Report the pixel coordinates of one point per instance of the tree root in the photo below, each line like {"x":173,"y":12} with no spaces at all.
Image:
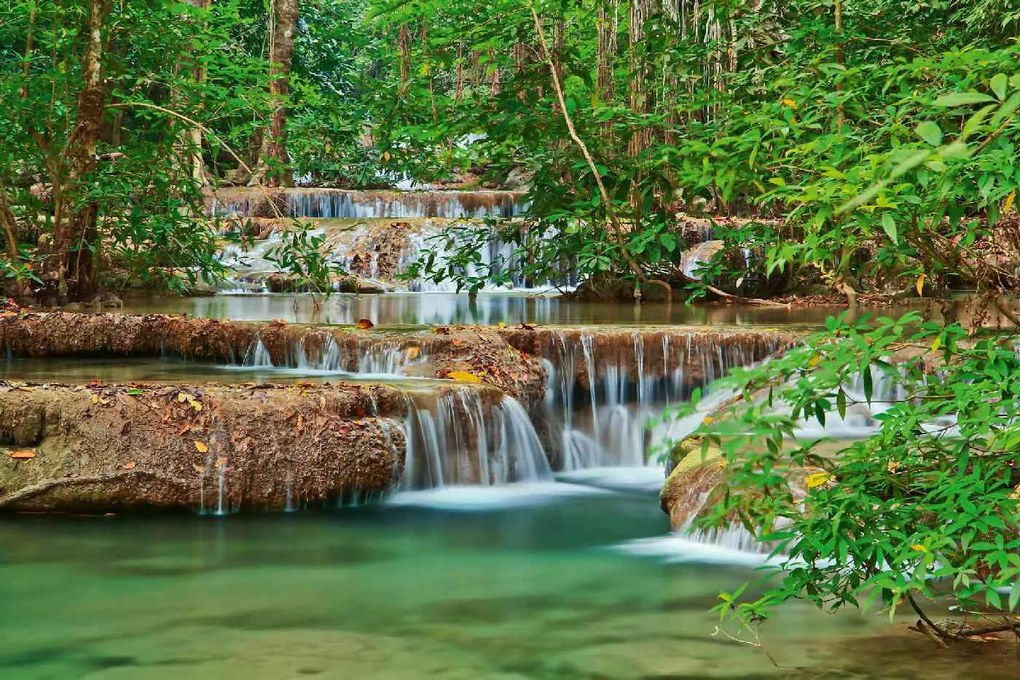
{"x":940,"y":635}
{"x":47,"y":485}
{"x":730,"y":297}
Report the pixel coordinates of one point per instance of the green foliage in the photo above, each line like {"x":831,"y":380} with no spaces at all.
{"x":150,"y":211}
{"x":928,"y":505}
{"x":771,"y":113}
{"x":301,"y":253}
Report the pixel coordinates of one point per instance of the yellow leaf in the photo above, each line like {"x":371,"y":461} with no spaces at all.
{"x":708,"y":420}
{"x":1008,"y":204}
{"x":789,"y":102}
{"x":463,"y":376}
{"x":23,"y":454}
{"x":919,"y":548}
{"x":920,"y":284}
{"x":201,"y":446}
{"x":183,"y":397}
{"x":413,"y":352}
{"x":816,"y":479}
{"x":195,"y":404}
{"x":938,"y":343}
{"x":95,"y":398}
{"x":814,"y":361}
{"x":501,"y":324}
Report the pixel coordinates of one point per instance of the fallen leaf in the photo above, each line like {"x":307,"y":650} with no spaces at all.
{"x":920,"y":285}
{"x":201,"y":446}
{"x":23,"y":454}
{"x":183,"y":397}
{"x":95,"y":398}
{"x":413,"y":352}
{"x":364,"y":325}
{"x":463,"y":376}
{"x":130,"y":466}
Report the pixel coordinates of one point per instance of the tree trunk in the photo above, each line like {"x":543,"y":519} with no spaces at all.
{"x":274,"y":164}
{"x":194,"y":141}
{"x":76,"y":274}
{"x":607,"y":26}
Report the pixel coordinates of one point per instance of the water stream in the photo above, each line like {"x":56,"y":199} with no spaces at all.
{"x":480,"y":585}
{"x":524,"y":540}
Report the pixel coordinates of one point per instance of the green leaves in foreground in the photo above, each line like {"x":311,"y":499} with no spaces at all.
{"x":929,"y":504}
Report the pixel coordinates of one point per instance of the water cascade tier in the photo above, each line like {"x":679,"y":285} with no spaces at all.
{"x":430,"y":408}
{"x":345,"y":203}
{"x":604,"y":385}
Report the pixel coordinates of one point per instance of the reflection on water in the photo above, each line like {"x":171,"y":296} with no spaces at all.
{"x":73,"y":370}
{"x":529,"y":591}
{"x":488,"y":308}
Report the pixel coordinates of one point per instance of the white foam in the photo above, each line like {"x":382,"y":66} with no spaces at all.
{"x":645,"y":478}
{"x":677,"y":549}
{"x":483,"y":498}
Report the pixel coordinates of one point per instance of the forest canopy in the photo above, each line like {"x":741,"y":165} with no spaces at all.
{"x":852,"y":146}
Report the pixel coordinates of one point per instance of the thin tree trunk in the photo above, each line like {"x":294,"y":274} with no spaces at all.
{"x":404,"y":48}
{"x":274,"y":164}
{"x":76,"y":276}
{"x":606,"y":60}
{"x":198,"y":173}
{"x":838,"y":21}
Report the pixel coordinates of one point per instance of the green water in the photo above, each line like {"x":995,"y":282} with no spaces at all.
{"x":532,"y":591}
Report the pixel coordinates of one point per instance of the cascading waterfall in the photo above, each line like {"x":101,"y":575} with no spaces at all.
{"x":497,"y":261}
{"x":325,"y":355}
{"x":604,"y":407}
{"x":455,"y":438}
{"x":344,"y":203}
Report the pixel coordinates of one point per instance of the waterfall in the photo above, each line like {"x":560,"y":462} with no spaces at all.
{"x":500,"y":263}
{"x":605,"y":386}
{"x":455,"y":438}
{"x":257,"y":355}
{"x":321,"y":353}
{"x":344,"y":203}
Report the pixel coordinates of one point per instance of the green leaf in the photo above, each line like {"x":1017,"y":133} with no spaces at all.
{"x":1000,"y":85}
{"x":962,"y":99}
{"x":889,"y":227}
{"x":1006,"y":110}
{"x":930,"y":132}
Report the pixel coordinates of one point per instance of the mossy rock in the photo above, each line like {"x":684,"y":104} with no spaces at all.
{"x":694,"y":473}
